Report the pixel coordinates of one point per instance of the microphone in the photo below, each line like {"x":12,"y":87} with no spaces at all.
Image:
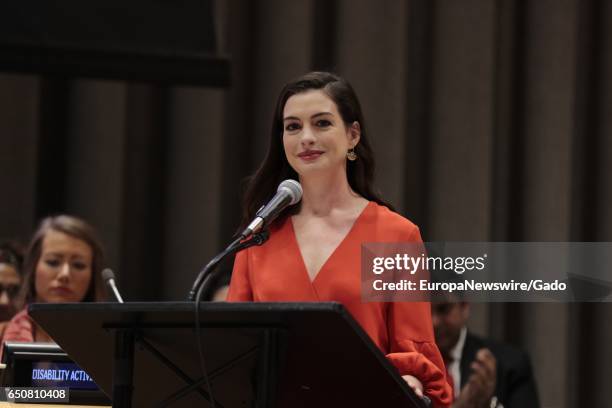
{"x":289,"y":193}
{"x":109,"y":278}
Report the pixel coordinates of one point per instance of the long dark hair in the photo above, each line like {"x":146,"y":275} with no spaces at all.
{"x":275,"y":167}
{"x":76,"y":228}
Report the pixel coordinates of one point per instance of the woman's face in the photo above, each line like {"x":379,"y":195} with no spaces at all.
{"x":64,"y":270}
{"x":315,"y":137}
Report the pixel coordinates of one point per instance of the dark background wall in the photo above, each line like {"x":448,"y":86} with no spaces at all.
{"x":491,"y":120}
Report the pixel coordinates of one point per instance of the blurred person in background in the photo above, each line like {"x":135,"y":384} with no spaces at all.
{"x":483,"y":373}
{"x":11,"y":258}
{"x":63,"y":263}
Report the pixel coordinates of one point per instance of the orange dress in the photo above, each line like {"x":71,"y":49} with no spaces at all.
{"x":275,"y":272}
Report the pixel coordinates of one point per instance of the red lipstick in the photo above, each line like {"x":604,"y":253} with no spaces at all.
{"x":309,"y":155}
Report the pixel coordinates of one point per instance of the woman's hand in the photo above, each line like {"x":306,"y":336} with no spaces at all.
{"x":415,"y":384}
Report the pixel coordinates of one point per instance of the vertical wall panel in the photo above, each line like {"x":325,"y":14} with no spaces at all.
{"x":193,"y":187}
{"x":95,"y":157}
{"x":462,"y":107}
{"x":239,"y":137}
{"x":597,"y":358}
{"x":144,"y":192}
{"x":417,"y":111}
{"x":372,"y":56}
{"x":508,"y":139}
{"x":604,"y":155}
{"x":19,"y":98}
{"x":598,"y":335}
{"x":549,"y":107}
{"x":282,"y":52}
{"x":53,"y":142}
{"x":510,"y":43}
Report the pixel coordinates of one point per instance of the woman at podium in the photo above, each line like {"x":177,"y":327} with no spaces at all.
{"x":318,"y":137}
{"x":63,"y":264}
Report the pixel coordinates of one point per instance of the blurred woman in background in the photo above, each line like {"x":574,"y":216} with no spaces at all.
{"x":63,"y":263}
{"x":11,"y":258}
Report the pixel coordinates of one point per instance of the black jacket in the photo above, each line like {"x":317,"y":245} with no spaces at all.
{"x":516,"y":386}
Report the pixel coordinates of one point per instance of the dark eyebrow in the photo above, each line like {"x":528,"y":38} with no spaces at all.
{"x":312,"y":117}
{"x":321,"y":114}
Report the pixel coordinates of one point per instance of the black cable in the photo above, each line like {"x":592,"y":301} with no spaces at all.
{"x":204,"y":277}
{"x":200,"y":350}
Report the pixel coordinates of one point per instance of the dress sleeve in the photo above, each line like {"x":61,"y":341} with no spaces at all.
{"x":413,"y":350}
{"x":240,"y":289}
{"x":412,"y":347}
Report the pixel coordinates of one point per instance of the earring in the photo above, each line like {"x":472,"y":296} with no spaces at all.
{"x":351,"y":155}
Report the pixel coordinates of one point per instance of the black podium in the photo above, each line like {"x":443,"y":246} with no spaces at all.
{"x":257,"y":354}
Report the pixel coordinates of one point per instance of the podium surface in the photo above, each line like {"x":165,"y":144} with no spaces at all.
{"x":316,"y":354}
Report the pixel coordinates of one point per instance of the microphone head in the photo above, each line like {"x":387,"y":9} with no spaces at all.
{"x":107,"y":274}
{"x":293,"y":188}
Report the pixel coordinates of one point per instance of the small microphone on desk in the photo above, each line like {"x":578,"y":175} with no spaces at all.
{"x":109,"y":278}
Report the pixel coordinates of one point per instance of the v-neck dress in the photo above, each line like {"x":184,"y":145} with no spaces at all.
{"x":276,"y":272}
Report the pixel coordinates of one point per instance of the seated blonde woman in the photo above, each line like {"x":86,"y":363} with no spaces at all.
{"x":63,"y":263}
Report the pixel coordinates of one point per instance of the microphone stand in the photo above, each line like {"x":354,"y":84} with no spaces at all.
{"x":201,"y":283}
{"x":205,"y":275}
